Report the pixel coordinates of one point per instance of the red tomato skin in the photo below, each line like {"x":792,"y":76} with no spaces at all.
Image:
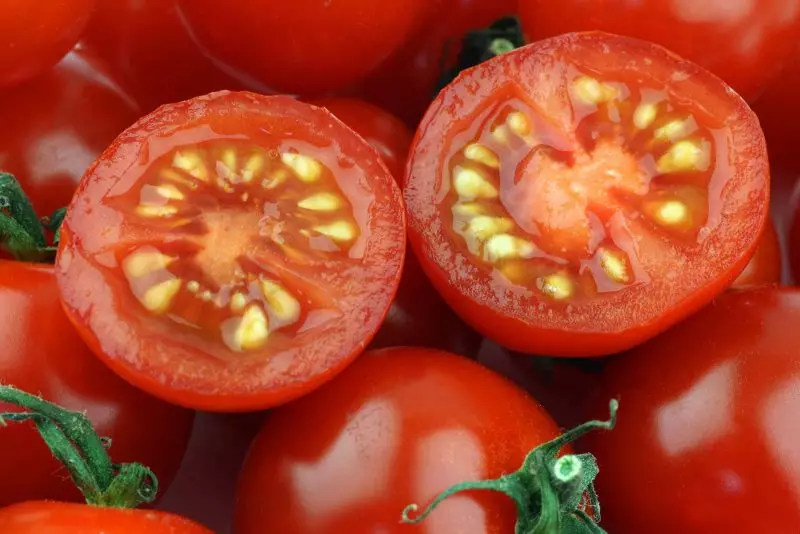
{"x":46,"y":517}
{"x":304,"y":47}
{"x":397,"y":427}
{"x":201,"y":389}
{"x":707,"y":432}
{"x":48,"y":142}
{"x":745,"y":43}
{"x":151,"y":54}
{"x":498,"y":319}
{"x":794,"y":244}
{"x":43,"y":354}
{"x":765,"y":267}
{"x":36,"y":35}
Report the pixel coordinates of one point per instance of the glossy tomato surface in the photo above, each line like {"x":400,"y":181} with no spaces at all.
{"x":709,"y":427}
{"x":232,"y":252}
{"x":397,"y":427}
{"x":61,"y":518}
{"x":36,"y":35}
{"x":150,"y":53}
{"x":579,"y":195}
{"x":305,"y":46}
{"x":42,"y":354}
{"x":57,"y":124}
{"x":765,"y":267}
{"x":746,"y":43}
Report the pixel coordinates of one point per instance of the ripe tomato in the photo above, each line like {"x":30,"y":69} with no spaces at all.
{"x":305,"y":46}
{"x":232,"y":252}
{"x":55,"y":126}
{"x":579,"y":195}
{"x":744,"y":43}
{"x":59,"y":518}
{"x":765,"y":266}
{"x":708,"y":430}
{"x":397,"y":427}
{"x":43,"y":354}
{"x":36,"y":35}
{"x":150,"y":53}
{"x":405,"y":83}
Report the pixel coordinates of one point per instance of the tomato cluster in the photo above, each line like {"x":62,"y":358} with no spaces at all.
{"x":423,"y":237}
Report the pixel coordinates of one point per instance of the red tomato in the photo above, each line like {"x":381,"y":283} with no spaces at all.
{"x":43,"y":354}
{"x":765,"y":266}
{"x":151,"y":54}
{"x":745,"y":43}
{"x":794,"y":244}
{"x":406,"y":82}
{"x":36,"y":35}
{"x":397,"y":427}
{"x":60,"y":518}
{"x":304,"y":46}
{"x":56,"y":125}
{"x":602,"y":190}
{"x":232,"y":252}
{"x":709,"y":427}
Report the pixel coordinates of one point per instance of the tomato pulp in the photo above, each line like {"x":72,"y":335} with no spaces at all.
{"x":232,"y":252}
{"x":709,"y":430}
{"x":579,"y":195}
{"x":397,"y":427}
{"x":43,"y":354}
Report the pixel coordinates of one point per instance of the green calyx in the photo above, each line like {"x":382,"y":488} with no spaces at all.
{"x":74,"y":442}
{"x":553,"y":495}
{"x":22,"y":233}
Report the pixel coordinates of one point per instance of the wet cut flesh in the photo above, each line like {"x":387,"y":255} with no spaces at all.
{"x":588,"y":196}
{"x":257,"y":259}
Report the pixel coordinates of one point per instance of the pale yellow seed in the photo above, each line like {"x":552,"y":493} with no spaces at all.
{"x":556,"y":286}
{"x":140,"y":264}
{"x":253,"y":329}
{"x":672,"y":212}
{"x":206,"y":296}
{"x":500,"y":135}
{"x":192,"y":163}
{"x":684,"y":156}
{"x":158,"y":298}
{"x":276,"y":178}
{"x":482,"y":154}
{"x":228,"y":159}
{"x":174,"y":176}
{"x":338,"y":231}
{"x":193,"y":286}
{"x":470,"y":184}
{"x":151,"y":211}
{"x":467,"y":208}
{"x":170,"y":191}
{"x":592,"y":91}
{"x":505,"y":246}
{"x":252,"y":167}
{"x":305,"y":167}
{"x":238,"y":302}
{"x":518,"y":123}
{"x":644,"y":115}
{"x":615,"y":266}
{"x":285,"y":307}
{"x":321,"y":202}
{"x":672,"y":131}
{"x":484,"y":227}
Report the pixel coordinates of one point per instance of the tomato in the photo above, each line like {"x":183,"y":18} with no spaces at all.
{"x":36,"y":35}
{"x":794,"y":243}
{"x":576,"y":196}
{"x":43,"y":354}
{"x":150,"y":53}
{"x":406,"y":82}
{"x":305,"y":46}
{"x":55,"y":126}
{"x":708,"y":430}
{"x":58,"y":518}
{"x":397,"y":427}
{"x":765,"y":266}
{"x":232,"y":252}
{"x":744,"y":43}
{"x":385,"y":132}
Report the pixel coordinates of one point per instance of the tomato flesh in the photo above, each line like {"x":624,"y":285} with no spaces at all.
{"x":595,"y":192}
{"x":236,"y":243}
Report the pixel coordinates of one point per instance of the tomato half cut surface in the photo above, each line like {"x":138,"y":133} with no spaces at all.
{"x":233,"y":251}
{"x":581,"y":194}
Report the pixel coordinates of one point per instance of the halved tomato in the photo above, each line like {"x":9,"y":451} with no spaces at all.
{"x":232,"y":252}
{"x":579,"y":195}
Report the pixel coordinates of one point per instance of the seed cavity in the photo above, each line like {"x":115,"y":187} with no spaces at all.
{"x":555,"y":286}
{"x":306,"y":168}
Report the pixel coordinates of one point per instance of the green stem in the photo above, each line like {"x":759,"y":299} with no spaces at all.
{"x":551,"y":493}
{"x":74,"y":442}
{"x":21,"y":230}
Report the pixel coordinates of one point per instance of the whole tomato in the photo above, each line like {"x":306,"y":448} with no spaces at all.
{"x":57,"y":124}
{"x":42,"y":353}
{"x":34,"y":36}
{"x":709,"y":427}
{"x":744,"y":43}
{"x":150,"y":53}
